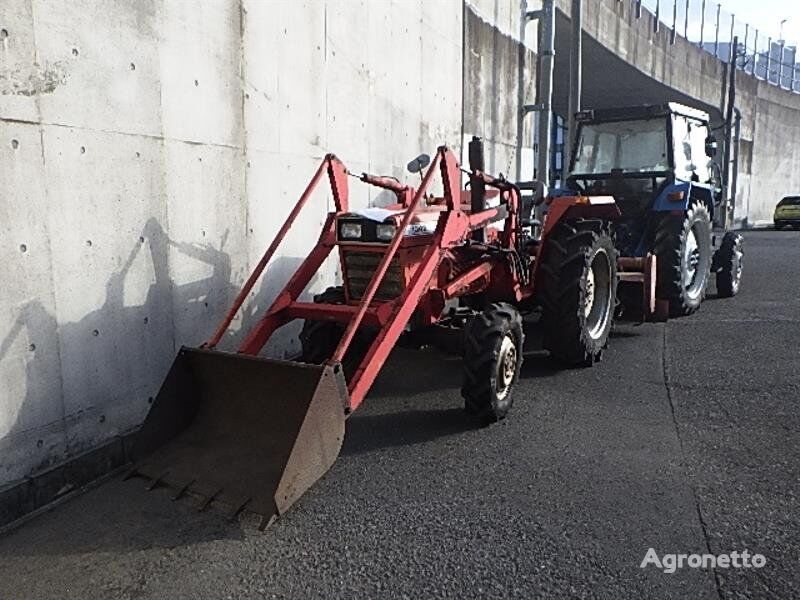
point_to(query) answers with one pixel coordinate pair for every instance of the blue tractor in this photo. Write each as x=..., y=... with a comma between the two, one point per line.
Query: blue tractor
x=658, y=163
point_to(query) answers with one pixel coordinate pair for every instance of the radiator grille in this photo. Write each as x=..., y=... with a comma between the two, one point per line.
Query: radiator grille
x=361, y=266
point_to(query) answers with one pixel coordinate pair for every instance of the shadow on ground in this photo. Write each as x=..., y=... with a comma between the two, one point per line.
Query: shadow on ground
x=120, y=516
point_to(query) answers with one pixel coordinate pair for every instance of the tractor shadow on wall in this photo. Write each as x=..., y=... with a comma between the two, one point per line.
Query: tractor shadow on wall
x=93, y=378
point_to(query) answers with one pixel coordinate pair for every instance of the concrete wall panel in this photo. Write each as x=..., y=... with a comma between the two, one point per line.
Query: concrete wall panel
x=111, y=82
x=31, y=403
x=22, y=76
x=207, y=232
x=200, y=58
x=105, y=204
x=490, y=94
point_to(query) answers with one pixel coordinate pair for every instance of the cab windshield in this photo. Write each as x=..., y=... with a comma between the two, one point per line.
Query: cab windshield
x=635, y=146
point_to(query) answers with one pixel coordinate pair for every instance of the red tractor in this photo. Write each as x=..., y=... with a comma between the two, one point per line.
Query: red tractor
x=254, y=433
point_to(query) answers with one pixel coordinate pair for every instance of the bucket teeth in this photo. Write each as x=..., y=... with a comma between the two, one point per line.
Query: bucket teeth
x=238, y=510
x=266, y=521
x=155, y=481
x=182, y=491
x=209, y=499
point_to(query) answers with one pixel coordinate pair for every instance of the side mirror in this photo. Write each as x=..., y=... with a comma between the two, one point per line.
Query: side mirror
x=419, y=163
x=711, y=146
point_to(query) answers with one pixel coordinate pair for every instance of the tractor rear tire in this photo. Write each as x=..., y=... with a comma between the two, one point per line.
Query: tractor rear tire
x=578, y=292
x=319, y=339
x=728, y=261
x=493, y=342
x=683, y=247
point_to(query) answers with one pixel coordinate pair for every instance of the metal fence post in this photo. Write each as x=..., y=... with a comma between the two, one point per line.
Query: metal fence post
x=674, y=20
x=755, y=54
x=746, y=31
x=716, y=33
x=733, y=26
x=702, y=20
x=657, y=16
x=686, y=22
x=780, y=65
x=769, y=59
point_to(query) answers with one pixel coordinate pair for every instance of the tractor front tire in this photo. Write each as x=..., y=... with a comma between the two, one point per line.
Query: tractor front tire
x=578, y=292
x=683, y=247
x=493, y=342
x=728, y=262
x=319, y=339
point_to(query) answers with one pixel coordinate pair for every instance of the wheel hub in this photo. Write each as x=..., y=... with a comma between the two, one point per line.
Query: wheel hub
x=506, y=366
x=598, y=302
x=737, y=265
x=691, y=259
x=587, y=309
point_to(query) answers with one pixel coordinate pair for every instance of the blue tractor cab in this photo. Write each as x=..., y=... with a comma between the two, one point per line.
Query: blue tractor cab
x=659, y=164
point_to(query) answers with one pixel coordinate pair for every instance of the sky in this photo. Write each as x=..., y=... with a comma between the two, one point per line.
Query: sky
x=766, y=15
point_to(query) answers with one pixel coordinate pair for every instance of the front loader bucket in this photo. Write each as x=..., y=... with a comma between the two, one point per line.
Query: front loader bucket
x=250, y=432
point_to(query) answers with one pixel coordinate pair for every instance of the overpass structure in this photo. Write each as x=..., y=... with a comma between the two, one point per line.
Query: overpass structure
x=150, y=150
x=629, y=58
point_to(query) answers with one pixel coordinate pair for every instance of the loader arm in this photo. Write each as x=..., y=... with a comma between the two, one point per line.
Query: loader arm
x=447, y=231
x=254, y=433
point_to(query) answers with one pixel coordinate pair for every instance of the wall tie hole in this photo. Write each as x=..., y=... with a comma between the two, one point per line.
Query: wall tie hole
x=146, y=320
x=23, y=248
x=89, y=243
x=95, y=333
x=75, y=52
x=83, y=149
x=133, y=67
x=102, y=418
x=15, y=144
x=150, y=400
x=32, y=347
x=196, y=83
x=3, y=34
x=39, y=443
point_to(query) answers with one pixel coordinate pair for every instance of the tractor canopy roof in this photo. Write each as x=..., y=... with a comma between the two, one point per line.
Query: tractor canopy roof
x=644, y=111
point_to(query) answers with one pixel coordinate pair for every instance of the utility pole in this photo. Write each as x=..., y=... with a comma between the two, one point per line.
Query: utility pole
x=575, y=81
x=546, y=18
x=547, y=45
x=729, y=194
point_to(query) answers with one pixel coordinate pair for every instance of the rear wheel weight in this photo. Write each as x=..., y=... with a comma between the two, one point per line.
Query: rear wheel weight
x=578, y=292
x=683, y=247
x=729, y=265
x=492, y=360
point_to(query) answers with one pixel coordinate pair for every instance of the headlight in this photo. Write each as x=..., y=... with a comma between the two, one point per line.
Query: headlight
x=386, y=231
x=350, y=231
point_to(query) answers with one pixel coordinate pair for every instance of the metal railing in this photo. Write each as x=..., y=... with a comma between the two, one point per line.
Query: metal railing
x=706, y=23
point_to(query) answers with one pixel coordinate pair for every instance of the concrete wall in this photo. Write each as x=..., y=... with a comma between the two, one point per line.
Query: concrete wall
x=150, y=150
x=491, y=84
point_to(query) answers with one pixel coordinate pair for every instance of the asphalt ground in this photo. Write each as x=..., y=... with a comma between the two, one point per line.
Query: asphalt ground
x=684, y=439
